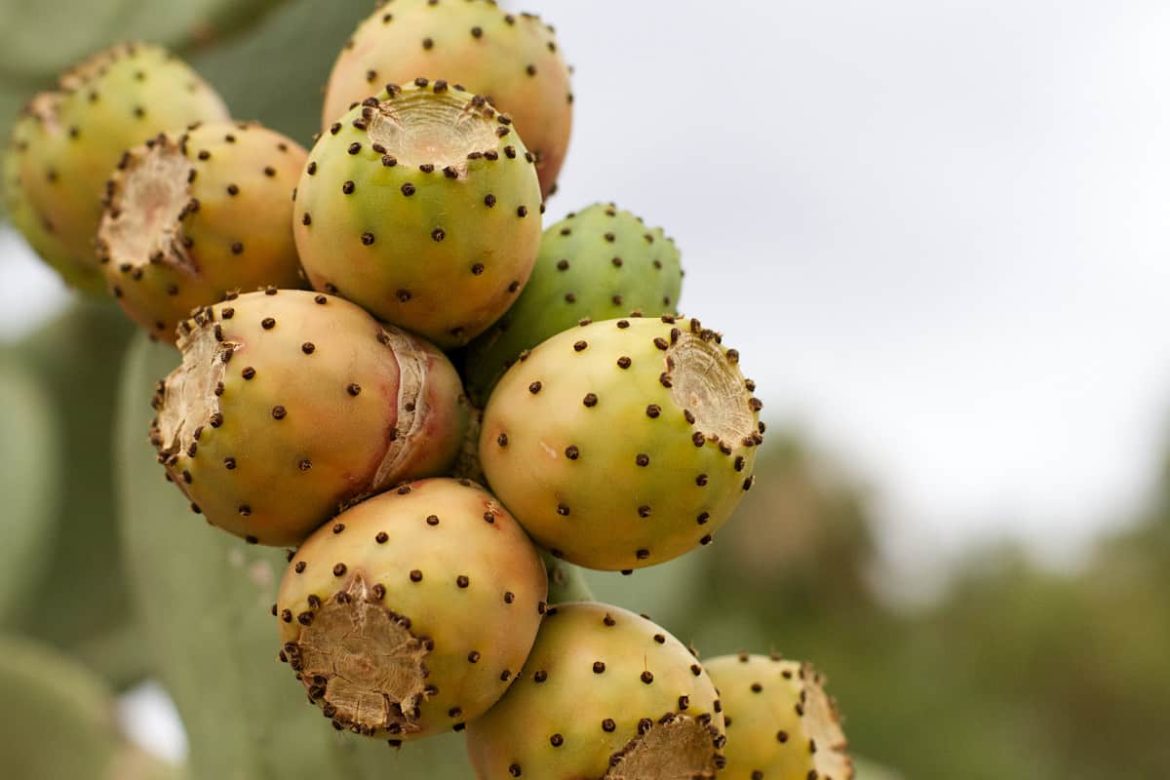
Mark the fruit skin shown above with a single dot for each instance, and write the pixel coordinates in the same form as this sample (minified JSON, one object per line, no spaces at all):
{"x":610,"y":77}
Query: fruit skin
{"x":599,"y":263}
{"x":290,"y":405}
{"x":205,"y":603}
{"x":624,"y":443}
{"x":67,"y":142}
{"x":512,"y":60}
{"x":434,"y":588}
{"x":437,"y":238}
{"x":598,"y":679}
{"x":225,"y":222}
{"x":780,"y":723}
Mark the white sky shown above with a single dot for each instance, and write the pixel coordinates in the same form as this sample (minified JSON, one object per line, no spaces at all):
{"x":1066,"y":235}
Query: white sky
{"x":936,"y":230}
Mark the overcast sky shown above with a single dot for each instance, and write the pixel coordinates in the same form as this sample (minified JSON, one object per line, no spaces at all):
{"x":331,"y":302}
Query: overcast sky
{"x":937,"y":231}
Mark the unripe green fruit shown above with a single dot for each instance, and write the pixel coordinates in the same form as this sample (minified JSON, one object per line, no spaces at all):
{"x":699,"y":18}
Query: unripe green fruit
{"x":599,"y":263}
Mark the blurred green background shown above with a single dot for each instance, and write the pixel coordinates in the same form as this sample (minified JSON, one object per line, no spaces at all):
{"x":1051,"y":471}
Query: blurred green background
{"x":1012,"y":670}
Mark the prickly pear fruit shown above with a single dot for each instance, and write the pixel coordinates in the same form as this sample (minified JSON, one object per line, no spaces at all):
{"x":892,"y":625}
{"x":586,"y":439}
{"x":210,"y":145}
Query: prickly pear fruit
{"x":421,"y":205}
{"x":513,"y":60}
{"x":290,"y":405}
{"x":604,"y":694}
{"x":411,"y":613}
{"x":242,"y":716}
{"x":35,"y":231}
{"x":623,"y":443}
{"x":67,"y":142}
{"x":599,"y":263}
{"x":190,"y":217}
{"x":781,"y":725}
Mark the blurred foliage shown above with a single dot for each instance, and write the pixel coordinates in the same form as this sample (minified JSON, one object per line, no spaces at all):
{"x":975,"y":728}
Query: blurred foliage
{"x":206,"y":597}
{"x":1016,"y":672}
{"x":45,"y":37}
{"x":31,"y":456}
{"x":74,"y":359}
{"x":64,"y":724}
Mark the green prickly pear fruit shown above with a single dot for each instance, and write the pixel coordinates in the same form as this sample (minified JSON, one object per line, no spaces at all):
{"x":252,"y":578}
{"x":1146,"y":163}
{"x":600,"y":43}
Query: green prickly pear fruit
{"x":67,"y":142}
{"x":514,"y":60}
{"x":624,"y":443}
{"x":290,"y":405}
{"x":191,"y":217}
{"x":422,"y":206}
{"x":604,"y":694}
{"x":411,"y":613}
{"x":781,"y":724}
{"x":599,"y":263}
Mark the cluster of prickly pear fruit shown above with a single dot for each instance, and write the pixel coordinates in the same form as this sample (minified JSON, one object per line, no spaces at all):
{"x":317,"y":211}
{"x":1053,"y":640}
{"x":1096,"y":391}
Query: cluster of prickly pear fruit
{"x":600,"y":263}
{"x":614,"y":434}
{"x":67,"y":142}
